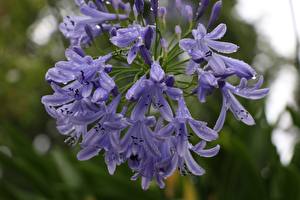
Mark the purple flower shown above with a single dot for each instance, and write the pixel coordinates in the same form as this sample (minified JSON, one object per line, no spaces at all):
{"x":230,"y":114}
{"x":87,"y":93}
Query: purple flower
{"x":77,"y":103}
{"x":156,"y":155}
{"x":204,"y":47}
{"x":82,"y":35}
{"x":134,"y":37}
{"x":213,"y":75}
{"x":176,"y":150}
{"x":72,"y":118}
{"x":105,"y":135}
{"x":139,"y":140}
{"x":183,"y":116}
{"x":180,"y":141}
{"x":157,"y":168}
{"x":147,"y":91}
{"x":230,"y":102}
{"x":87,"y":74}
{"x":150,"y":158}
{"x":82,"y":29}
{"x":145,"y":154}
{"x":207,"y":82}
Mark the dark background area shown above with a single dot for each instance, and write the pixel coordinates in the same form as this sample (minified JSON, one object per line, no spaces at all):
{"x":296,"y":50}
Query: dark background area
{"x":35,"y":164}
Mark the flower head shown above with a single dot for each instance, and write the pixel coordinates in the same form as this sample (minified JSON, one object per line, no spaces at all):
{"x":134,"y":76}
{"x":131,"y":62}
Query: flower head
{"x":76,"y":100}
{"x":129,"y":104}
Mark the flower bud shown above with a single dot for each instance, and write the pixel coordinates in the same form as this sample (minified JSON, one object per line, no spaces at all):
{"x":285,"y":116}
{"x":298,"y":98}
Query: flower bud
{"x":113,"y":32}
{"x":79,"y":2}
{"x":148,"y":37}
{"x":164,"y":44}
{"x":146,"y":55}
{"x":201,"y":9}
{"x":178,"y":31}
{"x":162,"y":12}
{"x":154,"y":7}
{"x":100,"y":5}
{"x":189,"y":12}
{"x":178,"y":4}
{"x":89,"y":32}
{"x":139,"y":5}
{"x":79,"y":51}
{"x":170,"y":80}
{"x":115,"y":4}
{"x":215,"y":13}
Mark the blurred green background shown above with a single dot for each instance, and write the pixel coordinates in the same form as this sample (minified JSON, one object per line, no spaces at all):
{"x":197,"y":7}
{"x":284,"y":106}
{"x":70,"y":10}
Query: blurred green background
{"x":35,"y":164}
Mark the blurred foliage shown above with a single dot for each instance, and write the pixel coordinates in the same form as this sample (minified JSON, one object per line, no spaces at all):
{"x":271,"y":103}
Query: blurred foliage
{"x":248,"y":166}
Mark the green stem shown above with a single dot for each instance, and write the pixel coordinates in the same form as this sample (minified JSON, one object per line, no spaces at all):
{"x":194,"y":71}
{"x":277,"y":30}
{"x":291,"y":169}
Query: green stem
{"x":172,"y":40}
{"x":120,"y":72}
{"x":124,"y":77}
{"x":179,"y":63}
{"x":173,"y":57}
{"x":184,"y":36}
{"x":156,"y":38}
{"x":125,"y":88}
{"x":123,"y":60}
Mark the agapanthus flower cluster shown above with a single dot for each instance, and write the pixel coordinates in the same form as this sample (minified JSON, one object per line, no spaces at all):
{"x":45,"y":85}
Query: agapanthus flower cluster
{"x":127,"y":104}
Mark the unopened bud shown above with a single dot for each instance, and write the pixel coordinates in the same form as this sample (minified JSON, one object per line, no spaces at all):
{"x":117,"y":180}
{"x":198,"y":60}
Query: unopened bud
{"x":164,"y":44}
{"x":189,"y":12}
{"x":162,"y":12}
{"x":139,"y":5}
{"x":178,"y":31}
{"x":201,"y":9}
{"x":215,"y":13}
